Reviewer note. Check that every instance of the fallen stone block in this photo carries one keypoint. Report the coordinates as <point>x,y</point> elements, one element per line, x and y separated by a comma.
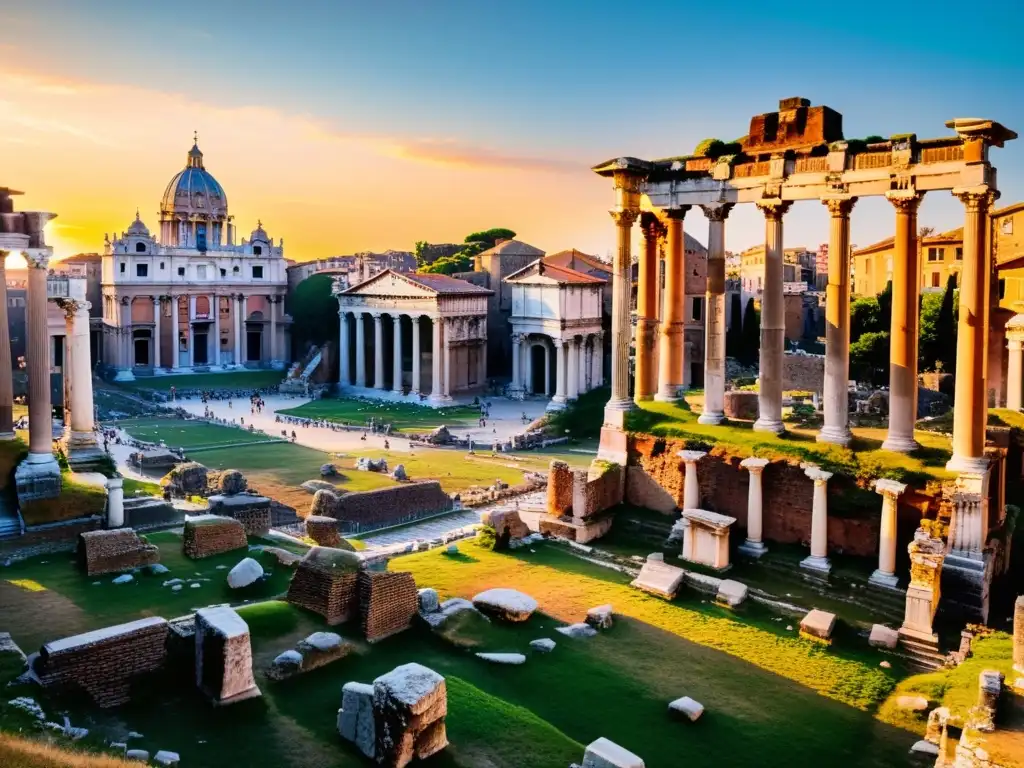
<point>604,753</point>
<point>600,617</point>
<point>208,535</point>
<point>323,530</point>
<point>915,703</point>
<point>659,578</point>
<point>326,582</point>
<point>110,551</point>
<point>449,608</point>
<point>409,708</point>
<point>428,600</point>
<point>137,754</point>
<point>506,604</point>
<point>247,572</point>
<point>163,757</point>
<point>356,718</point>
<point>925,749</point>
<point>544,645</point>
<point>688,708</point>
<point>731,593</point>
<point>818,624</point>
<point>387,603</point>
<point>883,637</point>
<point>578,631</point>
<point>285,665</point>
<point>503,658</point>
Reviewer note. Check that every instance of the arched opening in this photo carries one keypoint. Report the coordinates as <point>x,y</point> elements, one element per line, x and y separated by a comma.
<point>257,250</point>
<point>141,341</point>
<point>538,385</point>
<point>140,247</point>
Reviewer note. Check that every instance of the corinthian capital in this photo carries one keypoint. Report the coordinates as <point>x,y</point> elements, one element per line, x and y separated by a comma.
<point>625,218</point>
<point>73,307</point>
<point>651,226</point>
<point>38,258</point>
<point>840,207</point>
<point>774,210</point>
<point>717,211</point>
<point>974,200</point>
<point>905,202</point>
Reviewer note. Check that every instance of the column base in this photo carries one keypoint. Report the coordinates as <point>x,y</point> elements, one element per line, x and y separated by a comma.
<point>775,426</point>
<point>972,464</point>
<point>556,404</point>
<point>613,446</point>
<point>817,565</point>
<point>644,398</point>
<point>900,444</point>
<point>124,375</point>
<point>835,435</point>
<point>37,477</point>
<point>887,581</point>
<point>615,413</point>
<point>710,417</point>
<point>671,395</point>
<point>754,549</point>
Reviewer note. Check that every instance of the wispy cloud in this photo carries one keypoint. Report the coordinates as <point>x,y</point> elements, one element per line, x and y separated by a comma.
<point>451,152</point>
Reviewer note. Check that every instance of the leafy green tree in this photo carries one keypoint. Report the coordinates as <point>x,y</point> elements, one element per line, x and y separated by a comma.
<point>865,317</point>
<point>314,312</point>
<point>946,327</point>
<point>869,357</point>
<point>420,250</point>
<point>462,261</point>
<point>751,339</point>
<point>929,341</point>
<point>490,236</point>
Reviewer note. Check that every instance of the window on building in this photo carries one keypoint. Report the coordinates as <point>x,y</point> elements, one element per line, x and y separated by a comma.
<point>161,265</point>
<point>142,270</point>
<point>140,247</point>
<point>223,273</point>
<point>235,270</point>
<point>1002,288</point>
<point>959,254</point>
<point>257,250</point>
<point>935,279</point>
<point>200,272</point>
<point>257,272</point>
<point>698,309</point>
<point>1008,225</point>
<point>181,271</point>
<point>936,254</point>
<point>122,268</point>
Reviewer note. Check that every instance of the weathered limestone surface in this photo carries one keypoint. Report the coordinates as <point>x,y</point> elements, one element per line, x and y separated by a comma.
<point>355,718</point>
<point>507,525</point>
<point>111,551</point>
<point>688,708</point>
<point>706,538</point>
<point>818,624</point>
<point>659,578</point>
<point>600,617</point>
<point>560,482</point>
<point>604,753</point>
<point>732,593</point>
<point>245,573</point>
<point>387,603</point>
<point>883,637</point>
<point>326,582</point>
<point>323,530</point>
<point>409,707</point>
<point>505,604</point>
<point>207,535</point>
<point>224,656</point>
<point>103,663</point>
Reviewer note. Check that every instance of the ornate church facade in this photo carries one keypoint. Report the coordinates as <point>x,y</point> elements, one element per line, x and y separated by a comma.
<point>194,300</point>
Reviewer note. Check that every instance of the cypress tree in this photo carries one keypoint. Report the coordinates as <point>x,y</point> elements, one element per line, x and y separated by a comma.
<point>945,329</point>
<point>734,335</point>
<point>751,344</point>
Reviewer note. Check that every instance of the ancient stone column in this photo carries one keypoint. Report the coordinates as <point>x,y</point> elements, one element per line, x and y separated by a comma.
<point>40,417</point>
<point>344,366</point>
<point>1018,636</point>
<point>175,344</point>
<point>6,364</point>
<point>1014,367</point>
<point>273,329</point>
<point>360,351</point>
<point>970,406</point>
<point>517,340</point>
<point>906,284</point>
<point>818,560</point>
<point>415,388</point>
<point>243,304</point>
<point>215,306</point>
<point>435,359</point>
<point>396,371</point>
<point>621,284</point>
<point>81,430</point>
<point>885,574</point>
<point>115,502</point>
<point>547,369</point>
<point>754,546</point>
<point>191,331</point>
<point>572,369</point>
<point>773,322</point>
<point>836,427</point>
<point>646,312</point>
<point>714,325</point>
<point>446,385</point>
<point>926,557</point>
<point>378,352</point>
<point>156,332</point>
<point>561,353</point>
<point>597,360</point>
<point>691,488</point>
<point>673,320</point>
<point>237,321</point>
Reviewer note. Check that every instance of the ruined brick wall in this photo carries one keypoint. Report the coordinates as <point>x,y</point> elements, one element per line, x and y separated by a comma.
<point>207,538</point>
<point>323,530</point>
<point>592,496</point>
<point>112,551</point>
<point>254,516</point>
<point>786,501</point>
<point>385,505</point>
<point>387,603</point>
<point>793,305</point>
<point>560,483</point>
<point>329,591</point>
<point>103,663</point>
<point>49,538</point>
<point>803,372</point>
<point>741,404</point>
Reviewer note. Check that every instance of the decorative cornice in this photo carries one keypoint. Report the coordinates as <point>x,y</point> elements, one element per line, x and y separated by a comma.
<point>974,201</point>
<point>677,213</point>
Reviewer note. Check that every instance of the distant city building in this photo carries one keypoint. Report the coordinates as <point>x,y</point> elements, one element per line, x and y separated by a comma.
<point>354,269</point>
<point>821,267</point>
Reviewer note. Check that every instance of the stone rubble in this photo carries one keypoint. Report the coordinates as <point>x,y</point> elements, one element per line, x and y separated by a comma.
<point>819,624</point>
<point>659,578</point>
<point>207,535</point>
<point>356,719</point>
<point>110,551</point>
<point>688,708</point>
<point>543,644</point>
<point>503,658</point>
<point>505,604</point>
<point>223,656</point>
<point>731,593</point>
<point>604,753</point>
<point>600,617</point>
<point>245,573</point>
<point>578,631</point>
<point>326,582</point>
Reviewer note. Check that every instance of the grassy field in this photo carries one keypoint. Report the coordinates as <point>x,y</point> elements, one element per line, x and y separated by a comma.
<point>227,380</point>
<point>188,435</point>
<point>766,692</point>
<point>404,417</point>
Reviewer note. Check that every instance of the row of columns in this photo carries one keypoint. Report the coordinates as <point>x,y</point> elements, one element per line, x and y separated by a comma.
<point>579,365</point>
<point>970,404</point>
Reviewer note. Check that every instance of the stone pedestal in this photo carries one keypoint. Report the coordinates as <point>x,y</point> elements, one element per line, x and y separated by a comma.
<point>691,488</point>
<point>967,569</point>
<point>885,575</point>
<point>926,558</point>
<point>706,538</point>
<point>224,656</point>
<point>753,546</point>
<point>818,562</point>
<point>115,502</point>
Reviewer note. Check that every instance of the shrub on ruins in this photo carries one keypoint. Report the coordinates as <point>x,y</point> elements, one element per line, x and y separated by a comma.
<point>486,538</point>
<point>324,504</point>
<point>232,481</point>
<point>869,358</point>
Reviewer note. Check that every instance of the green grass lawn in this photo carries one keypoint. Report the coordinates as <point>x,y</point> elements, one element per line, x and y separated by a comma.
<point>771,698</point>
<point>188,435</point>
<point>404,417</point>
<point>227,380</point>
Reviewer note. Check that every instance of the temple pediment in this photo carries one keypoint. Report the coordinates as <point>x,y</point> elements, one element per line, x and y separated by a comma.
<point>390,284</point>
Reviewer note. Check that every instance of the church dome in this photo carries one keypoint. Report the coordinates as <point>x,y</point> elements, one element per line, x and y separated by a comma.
<point>194,190</point>
<point>137,227</point>
<point>259,234</point>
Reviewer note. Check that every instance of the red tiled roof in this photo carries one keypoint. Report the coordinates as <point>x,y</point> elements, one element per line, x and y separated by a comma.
<point>444,284</point>
<point>556,272</point>
<point>571,257</point>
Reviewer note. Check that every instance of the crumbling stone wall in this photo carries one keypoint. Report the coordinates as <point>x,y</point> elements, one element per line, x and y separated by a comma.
<point>323,530</point>
<point>187,479</point>
<point>103,663</point>
<point>803,372</point>
<point>387,603</point>
<point>741,404</point>
<point>560,482</point>
<point>326,582</point>
<point>596,491</point>
<point>253,512</point>
<point>207,535</point>
<point>410,704</point>
<point>223,655</point>
<point>112,551</point>
<point>384,505</point>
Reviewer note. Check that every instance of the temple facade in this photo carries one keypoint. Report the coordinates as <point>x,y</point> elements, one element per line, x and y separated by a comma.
<point>193,299</point>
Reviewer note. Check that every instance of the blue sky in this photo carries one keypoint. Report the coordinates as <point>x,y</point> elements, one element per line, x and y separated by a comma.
<point>549,87</point>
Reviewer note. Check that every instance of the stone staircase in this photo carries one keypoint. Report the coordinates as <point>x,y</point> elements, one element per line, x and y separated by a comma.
<point>921,654</point>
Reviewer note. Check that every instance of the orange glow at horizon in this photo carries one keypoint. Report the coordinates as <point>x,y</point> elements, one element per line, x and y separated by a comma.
<point>94,152</point>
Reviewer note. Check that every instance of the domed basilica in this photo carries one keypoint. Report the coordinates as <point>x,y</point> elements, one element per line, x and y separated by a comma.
<point>193,300</point>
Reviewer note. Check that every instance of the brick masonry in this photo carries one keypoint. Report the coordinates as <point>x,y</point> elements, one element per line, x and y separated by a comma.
<point>741,404</point>
<point>326,583</point>
<point>323,530</point>
<point>112,551</point>
<point>205,537</point>
<point>560,481</point>
<point>387,603</point>
<point>396,503</point>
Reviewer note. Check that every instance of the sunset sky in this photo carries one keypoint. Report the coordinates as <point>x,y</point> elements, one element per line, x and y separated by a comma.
<point>350,126</point>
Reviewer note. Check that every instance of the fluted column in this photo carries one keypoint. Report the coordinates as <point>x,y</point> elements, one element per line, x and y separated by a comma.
<point>396,368</point>
<point>344,366</point>
<point>446,384</point>
<point>40,409</point>
<point>644,379</point>
<point>243,305</point>
<point>436,353</point>
<point>561,356</point>
<point>156,332</point>
<point>378,351</point>
<point>754,546</point>
<point>673,319</point>
<point>621,285</point>
<point>885,574</point>
<point>1014,367</point>
<point>175,343</point>
<point>360,350</point>
<point>80,373</point>
<point>773,322</point>
<point>415,388</point>
<point>906,287</point>
<point>273,328</point>
<point>970,406</point>
<point>237,319</point>
<point>191,331</point>
<point>836,427</point>
<point>216,329</point>
<point>517,340</point>
<point>691,487</point>
<point>526,360</point>
<point>6,364</point>
<point>714,321</point>
<point>818,560</point>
